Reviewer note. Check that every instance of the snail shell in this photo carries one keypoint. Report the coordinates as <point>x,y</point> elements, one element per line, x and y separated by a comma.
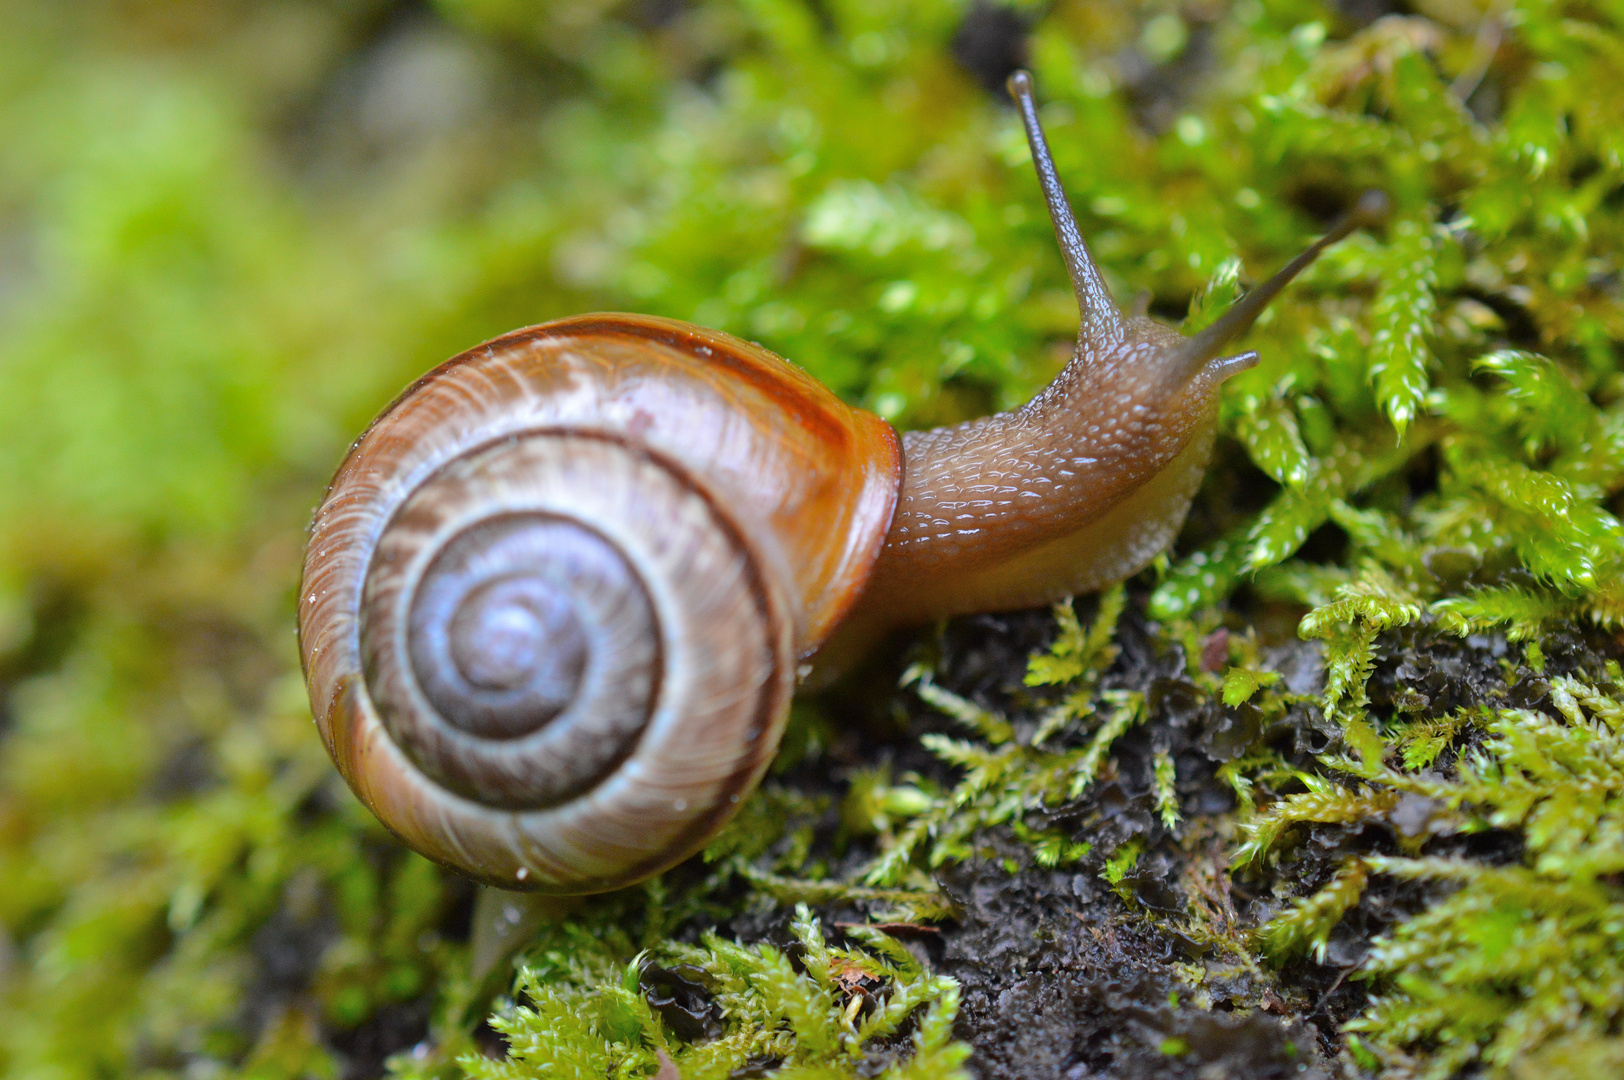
<point>559,584</point>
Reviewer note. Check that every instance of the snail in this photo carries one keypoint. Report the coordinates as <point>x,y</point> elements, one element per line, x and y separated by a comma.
<point>557,595</point>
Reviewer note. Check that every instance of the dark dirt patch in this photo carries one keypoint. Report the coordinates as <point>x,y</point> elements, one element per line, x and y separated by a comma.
<point>392,1028</point>
<point>1064,977</point>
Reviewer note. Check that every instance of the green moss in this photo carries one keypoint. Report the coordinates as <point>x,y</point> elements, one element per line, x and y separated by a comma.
<point>227,238</point>
<point>1508,958</point>
<point>1007,774</point>
<point>585,1006</point>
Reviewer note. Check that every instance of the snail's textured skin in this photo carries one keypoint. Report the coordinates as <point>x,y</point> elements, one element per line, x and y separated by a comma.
<point>1077,489</point>
<point>748,500</point>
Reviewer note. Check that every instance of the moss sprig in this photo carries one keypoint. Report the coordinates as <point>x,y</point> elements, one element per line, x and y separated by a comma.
<point>583,1008</point>
<point>1510,958</point>
<point>1005,773</point>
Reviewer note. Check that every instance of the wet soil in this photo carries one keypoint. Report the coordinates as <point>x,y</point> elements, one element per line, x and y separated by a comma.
<point>1064,976</point>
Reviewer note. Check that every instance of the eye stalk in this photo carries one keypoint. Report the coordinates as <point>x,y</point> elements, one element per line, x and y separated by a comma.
<point>1101,323</point>
<point>1371,209</point>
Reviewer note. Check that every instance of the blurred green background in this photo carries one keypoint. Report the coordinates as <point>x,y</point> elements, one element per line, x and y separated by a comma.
<point>231,231</point>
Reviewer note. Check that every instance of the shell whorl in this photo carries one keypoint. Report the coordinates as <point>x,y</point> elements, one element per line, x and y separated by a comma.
<point>567,643</point>
<point>552,606</point>
<point>516,615</point>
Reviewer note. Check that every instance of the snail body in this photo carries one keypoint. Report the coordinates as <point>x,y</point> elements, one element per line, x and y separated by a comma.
<point>557,595</point>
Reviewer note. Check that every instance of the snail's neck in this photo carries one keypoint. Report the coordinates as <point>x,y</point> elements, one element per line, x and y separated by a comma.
<point>1020,508</point>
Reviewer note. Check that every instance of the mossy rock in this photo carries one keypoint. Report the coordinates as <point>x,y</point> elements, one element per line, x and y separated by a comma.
<point>1334,789</point>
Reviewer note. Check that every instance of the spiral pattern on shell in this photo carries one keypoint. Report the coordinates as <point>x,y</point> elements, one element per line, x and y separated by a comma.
<point>564,631</point>
<point>550,617</point>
